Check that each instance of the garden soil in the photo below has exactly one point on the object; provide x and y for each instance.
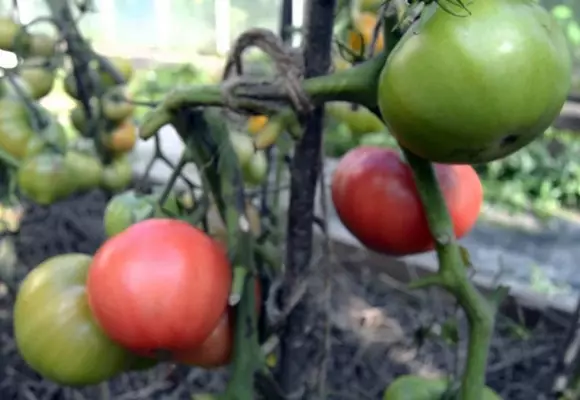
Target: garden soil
(378, 329)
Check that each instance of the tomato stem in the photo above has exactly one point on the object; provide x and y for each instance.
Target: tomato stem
(356, 85)
(453, 276)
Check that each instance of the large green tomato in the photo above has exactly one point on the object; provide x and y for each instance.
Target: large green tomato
(54, 329)
(411, 387)
(475, 87)
(130, 207)
(45, 178)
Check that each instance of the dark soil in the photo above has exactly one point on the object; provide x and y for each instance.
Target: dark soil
(377, 329)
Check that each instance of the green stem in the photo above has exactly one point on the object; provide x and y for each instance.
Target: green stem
(452, 275)
(356, 85)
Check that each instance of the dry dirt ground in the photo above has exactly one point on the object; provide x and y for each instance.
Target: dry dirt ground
(376, 332)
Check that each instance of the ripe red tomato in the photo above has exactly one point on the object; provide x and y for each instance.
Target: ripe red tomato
(161, 285)
(376, 199)
(216, 351)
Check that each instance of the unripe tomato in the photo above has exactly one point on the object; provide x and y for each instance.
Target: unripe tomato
(411, 387)
(54, 330)
(117, 175)
(122, 138)
(362, 34)
(256, 123)
(45, 178)
(477, 87)
(115, 104)
(161, 285)
(360, 120)
(255, 171)
(376, 198)
(9, 30)
(129, 207)
(216, 351)
(85, 169)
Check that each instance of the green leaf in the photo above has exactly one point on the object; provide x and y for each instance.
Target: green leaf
(562, 12)
(573, 32)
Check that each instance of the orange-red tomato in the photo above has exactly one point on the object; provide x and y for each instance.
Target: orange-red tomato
(217, 349)
(161, 285)
(377, 200)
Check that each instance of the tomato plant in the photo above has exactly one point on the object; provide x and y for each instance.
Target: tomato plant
(172, 279)
(130, 207)
(376, 199)
(455, 91)
(45, 178)
(55, 331)
(411, 387)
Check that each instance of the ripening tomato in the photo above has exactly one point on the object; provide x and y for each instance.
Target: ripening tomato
(475, 88)
(411, 387)
(55, 331)
(216, 351)
(161, 285)
(362, 34)
(376, 199)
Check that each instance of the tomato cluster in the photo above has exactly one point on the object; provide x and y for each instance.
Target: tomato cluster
(157, 290)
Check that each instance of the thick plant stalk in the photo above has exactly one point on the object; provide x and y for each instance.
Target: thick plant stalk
(305, 170)
(452, 276)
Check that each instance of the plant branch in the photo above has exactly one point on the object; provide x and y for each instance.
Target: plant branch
(452, 276)
(357, 85)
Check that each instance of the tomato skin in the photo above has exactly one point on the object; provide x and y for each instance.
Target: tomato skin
(54, 329)
(45, 178)
(376, 199)
(411, 387)
(172, 279)
(217, 350)
(455, 91)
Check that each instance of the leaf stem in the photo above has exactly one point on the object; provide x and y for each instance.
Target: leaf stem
(453, 277)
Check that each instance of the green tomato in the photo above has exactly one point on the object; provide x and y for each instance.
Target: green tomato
(117, 175)
(53, 136)
(243, 147)
(360, 120)
(411, 387)
(475, 88)
(45, 178)
(54, 329)
(255, 171)
(130, 207)
(86, 170)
